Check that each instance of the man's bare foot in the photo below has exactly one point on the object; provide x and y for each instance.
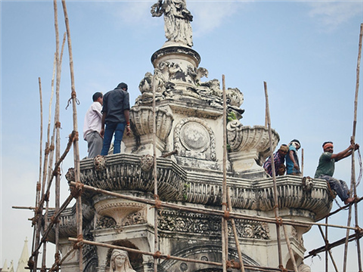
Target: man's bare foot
(348, 200)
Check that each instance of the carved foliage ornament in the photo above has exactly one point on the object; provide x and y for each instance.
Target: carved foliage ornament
(209, 225)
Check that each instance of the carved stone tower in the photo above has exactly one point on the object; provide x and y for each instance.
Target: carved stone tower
(189, 118)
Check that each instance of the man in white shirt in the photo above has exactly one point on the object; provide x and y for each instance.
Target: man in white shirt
(92, 126)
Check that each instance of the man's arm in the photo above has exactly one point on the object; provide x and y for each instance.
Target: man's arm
(345, 153)
(127, 118)
(102, 132)
(291, 155)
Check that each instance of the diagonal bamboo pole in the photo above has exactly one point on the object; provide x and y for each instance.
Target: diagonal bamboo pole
(75, 128)
(328, 251)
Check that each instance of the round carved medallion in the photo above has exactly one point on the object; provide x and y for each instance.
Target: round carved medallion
(194, 136)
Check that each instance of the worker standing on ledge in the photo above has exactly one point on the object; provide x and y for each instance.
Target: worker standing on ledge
(325, 169)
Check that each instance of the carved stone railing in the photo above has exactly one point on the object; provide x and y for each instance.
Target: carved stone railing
(258, 194)
(124, 172)
(128, 172)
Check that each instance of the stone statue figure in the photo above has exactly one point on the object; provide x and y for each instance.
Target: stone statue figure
(120, 261)
(177, 20)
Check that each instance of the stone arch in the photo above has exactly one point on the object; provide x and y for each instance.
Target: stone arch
(136, 259)
(207, 252)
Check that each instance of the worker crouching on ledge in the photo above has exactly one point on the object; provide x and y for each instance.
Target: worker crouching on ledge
(325, 169)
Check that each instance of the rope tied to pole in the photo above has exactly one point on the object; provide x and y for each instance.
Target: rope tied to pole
(77, 190)
(226, 215)
(157, 202)
(57, 124)
(73, 96)
(51, 148)
(279, 221)
(157, 255)
(79, 243)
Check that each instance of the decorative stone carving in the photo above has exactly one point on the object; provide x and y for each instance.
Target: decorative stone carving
(177, 20)
(195, 139)
(250, 146)
(192, 223)
(100, 163)
(142, 119)
(120, 262)
(146, 163)
(118, 209)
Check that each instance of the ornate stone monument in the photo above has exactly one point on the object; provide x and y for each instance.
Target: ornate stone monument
(188, 118)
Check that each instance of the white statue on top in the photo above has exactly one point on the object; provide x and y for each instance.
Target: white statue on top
(177, 20)
(120, 261)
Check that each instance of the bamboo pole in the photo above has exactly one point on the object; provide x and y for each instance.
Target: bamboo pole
(210, 211)
(328, 251)
(75, 128)
(302, 161)
(224, 235)
(242, 268)
(352, 237)
(38, 186)
(326, 242)
(156, 240)
(276, 208)
(353, 188)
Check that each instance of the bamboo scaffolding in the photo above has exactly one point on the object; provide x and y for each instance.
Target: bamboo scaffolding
(75, 128)
(328, 251)
(352, 237)
(224, 183)
(210, 211)
(169, 257)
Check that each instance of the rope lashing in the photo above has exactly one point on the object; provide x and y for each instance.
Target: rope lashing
(279, 221)
(73, 96)
(157, 202)
(226, 215)
(77, 190)
(57, 124)
(157, 255)
(79, 243)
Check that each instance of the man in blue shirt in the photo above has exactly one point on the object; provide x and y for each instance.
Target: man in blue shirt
(116, 116)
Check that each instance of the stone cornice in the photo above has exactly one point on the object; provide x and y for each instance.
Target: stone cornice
(123, 172)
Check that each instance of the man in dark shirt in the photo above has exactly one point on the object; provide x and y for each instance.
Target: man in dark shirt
(115, 114)
(325, 169)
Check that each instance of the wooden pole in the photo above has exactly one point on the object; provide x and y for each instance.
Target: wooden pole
(38, 186)
(235, 233)
(353, 188)
(224, 184)
(328, 251)
(276, 208)
(156, 240)
(75, 128)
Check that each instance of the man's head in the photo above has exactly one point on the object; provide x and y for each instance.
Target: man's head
(97, 97)
(296, 143)
(122, 86)
(328, 147)
(284, 149)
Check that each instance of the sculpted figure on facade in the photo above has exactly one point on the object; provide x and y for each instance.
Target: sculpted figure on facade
(120, 261)
(177, 20)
